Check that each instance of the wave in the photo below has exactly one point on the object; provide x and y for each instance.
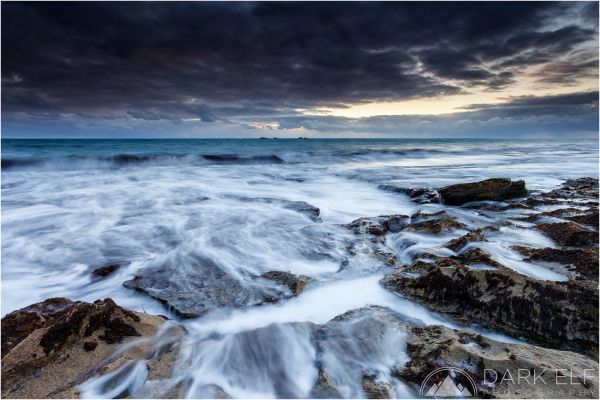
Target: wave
(126, 160)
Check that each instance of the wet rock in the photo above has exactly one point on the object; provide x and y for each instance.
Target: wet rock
(295, 283)
(459, 243)
(581, 188)
(105, 270)
(563, 314)
(324, 388)
(301, 207)
(569, 234)
(374, 389)
(436, 225)
(426, 348)
(583, 262)
(193, 293)
(70, 340)
(590, 218)
(486, 360)
(378, 226)
(418, 195)
(495, 189)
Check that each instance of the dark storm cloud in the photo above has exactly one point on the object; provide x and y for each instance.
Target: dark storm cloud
(217, 61)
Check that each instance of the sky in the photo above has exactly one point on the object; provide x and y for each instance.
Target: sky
(229, 69)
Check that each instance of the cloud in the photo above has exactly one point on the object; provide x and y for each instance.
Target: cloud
(224, 63)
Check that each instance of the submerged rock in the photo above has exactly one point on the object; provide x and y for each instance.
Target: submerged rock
(436, 225)
(459, 243)
(295, 283)
(374, 389)
(378, 226)
(564, 314)
(418, 195)
(106, 269)
(569, 234)
(582, 262)
(301, 207)
(194, 293)
(495, 189)
(65, 344)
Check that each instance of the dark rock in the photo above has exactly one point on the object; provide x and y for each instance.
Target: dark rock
(194, 293)
(418, 195)
(459, 243)
(563, 314)
(569, 234)
(90, 346)
(374, 389)
(582, 188)
(590, 219)
(436, 225)
(295, 283)
(378, 226)
(583, 262)
(106, 270)
(495, 189)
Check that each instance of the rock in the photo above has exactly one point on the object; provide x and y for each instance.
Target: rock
(69, 340)
(590, 218)
(106, 270)
(379, 336)
(324, 388)
(295, 283)
(19, 324)
(374, 389)
(193, 293)
(90, 346)
(378, 226)
(495, 189)
(418, 195)
(562, 314)
(581, 188)
(486, 361)
(569, 234)
(583, 262)
(459, 243)
(303, 207)
(436, 225)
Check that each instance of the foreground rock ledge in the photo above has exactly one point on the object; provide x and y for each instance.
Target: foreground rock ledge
(409, 349)
(50, 347)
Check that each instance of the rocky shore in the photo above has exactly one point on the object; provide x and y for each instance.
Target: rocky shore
(50, 349)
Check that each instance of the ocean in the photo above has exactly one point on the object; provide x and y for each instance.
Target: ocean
(69, 206)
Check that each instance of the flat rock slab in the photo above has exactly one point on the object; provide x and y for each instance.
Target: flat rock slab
(494, 189)
(194, 293)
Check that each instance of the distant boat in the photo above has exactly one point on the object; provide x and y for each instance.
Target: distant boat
(262, 137)
(302, 137)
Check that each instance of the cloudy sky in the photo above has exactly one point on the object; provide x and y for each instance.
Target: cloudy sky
(488, 69)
